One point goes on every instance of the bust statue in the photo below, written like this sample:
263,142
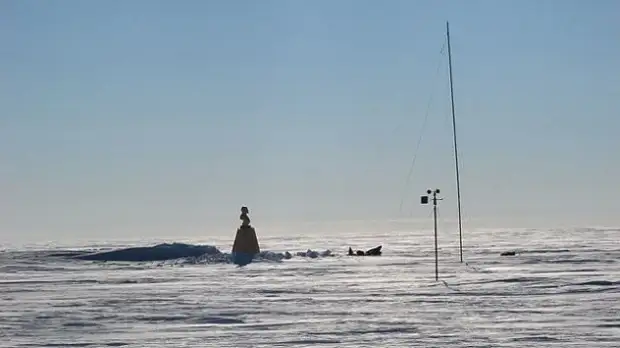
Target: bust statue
244,217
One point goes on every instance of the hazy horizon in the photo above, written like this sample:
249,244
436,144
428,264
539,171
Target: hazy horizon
152,118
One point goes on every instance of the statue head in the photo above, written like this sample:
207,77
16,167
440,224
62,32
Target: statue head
244,210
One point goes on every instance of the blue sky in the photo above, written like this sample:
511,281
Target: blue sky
153,117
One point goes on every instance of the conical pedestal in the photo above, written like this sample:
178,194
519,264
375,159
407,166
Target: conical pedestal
245,247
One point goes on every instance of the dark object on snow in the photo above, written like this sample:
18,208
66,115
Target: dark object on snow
160,252
370,252
245,246
508,253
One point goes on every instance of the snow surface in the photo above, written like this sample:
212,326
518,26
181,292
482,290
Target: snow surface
561,289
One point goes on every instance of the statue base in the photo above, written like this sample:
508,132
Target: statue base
245,246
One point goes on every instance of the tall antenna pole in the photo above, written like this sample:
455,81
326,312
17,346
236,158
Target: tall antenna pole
456,152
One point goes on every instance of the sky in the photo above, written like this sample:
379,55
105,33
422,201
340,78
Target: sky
143,118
